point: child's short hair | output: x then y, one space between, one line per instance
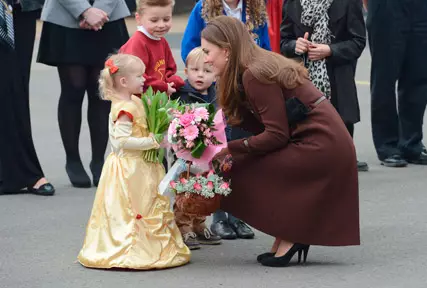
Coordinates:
116 65
195 55
162 3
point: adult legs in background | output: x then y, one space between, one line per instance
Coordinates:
361 166
412 87
389 30
97 116
73 80
20 164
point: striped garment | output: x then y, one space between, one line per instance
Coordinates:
7 36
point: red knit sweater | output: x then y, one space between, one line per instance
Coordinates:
158 59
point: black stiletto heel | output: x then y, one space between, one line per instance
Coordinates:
301 251
284 260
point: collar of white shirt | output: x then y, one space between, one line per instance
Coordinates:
236 13
143 30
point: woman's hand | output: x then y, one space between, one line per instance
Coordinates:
302 44
94 18
318 52
221 154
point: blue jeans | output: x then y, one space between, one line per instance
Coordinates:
232 134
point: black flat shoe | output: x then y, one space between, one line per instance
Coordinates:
44 190
263 256
284 260
362 166
420 160
242 230
224 230
394 161
96 169
77 174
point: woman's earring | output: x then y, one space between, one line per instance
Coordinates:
226 59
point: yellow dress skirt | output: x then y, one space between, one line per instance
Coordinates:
131 226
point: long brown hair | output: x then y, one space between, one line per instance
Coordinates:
268 67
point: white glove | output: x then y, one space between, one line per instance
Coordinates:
122 133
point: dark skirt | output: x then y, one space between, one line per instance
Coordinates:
68 46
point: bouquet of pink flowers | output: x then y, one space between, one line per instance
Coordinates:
195 128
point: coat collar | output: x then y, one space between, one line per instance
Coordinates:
337 10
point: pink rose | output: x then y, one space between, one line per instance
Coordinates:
183 181
224 185
197 186
210 173
210 185
186 119
172 184
201 113
191 133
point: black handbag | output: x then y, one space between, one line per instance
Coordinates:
296 111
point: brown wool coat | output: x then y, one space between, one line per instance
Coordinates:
298 184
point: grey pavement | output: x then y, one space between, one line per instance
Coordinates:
40 237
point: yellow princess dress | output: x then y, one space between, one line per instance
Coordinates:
131 225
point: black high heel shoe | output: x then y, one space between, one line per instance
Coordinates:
263 256
284 260
96 169
77 175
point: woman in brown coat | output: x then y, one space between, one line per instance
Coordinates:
296 179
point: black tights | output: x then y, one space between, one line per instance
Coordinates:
350 128
75 81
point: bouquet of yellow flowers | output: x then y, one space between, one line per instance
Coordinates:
157 107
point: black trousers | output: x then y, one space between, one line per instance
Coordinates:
20 166
397 31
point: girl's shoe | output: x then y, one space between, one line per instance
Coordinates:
190 240
284 260
206 237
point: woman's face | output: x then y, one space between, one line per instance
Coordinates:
215 56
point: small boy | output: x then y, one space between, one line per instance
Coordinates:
154 19
199 87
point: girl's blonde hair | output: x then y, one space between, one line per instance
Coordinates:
256 13
195 55
117 65
152 3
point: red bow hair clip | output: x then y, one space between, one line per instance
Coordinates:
110 64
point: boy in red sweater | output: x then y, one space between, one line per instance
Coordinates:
154 19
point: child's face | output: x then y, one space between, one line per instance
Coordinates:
200 75
156 20
133 81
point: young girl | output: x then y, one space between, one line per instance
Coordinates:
131 225
253 13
